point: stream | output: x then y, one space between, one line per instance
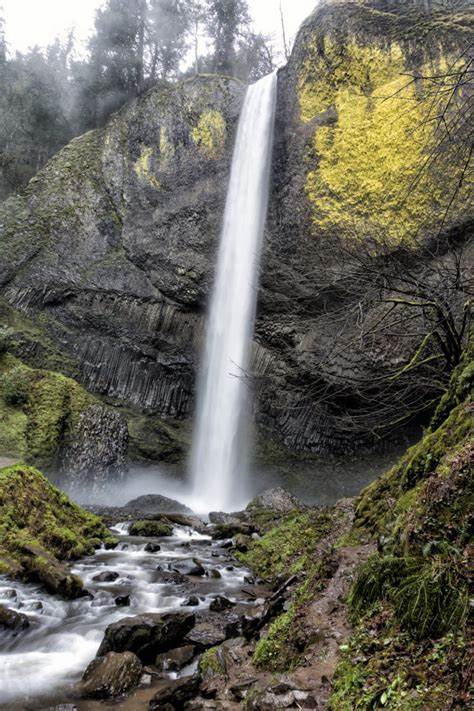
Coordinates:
39 666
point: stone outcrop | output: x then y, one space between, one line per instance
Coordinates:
111 249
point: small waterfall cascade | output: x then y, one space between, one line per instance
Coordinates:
219 457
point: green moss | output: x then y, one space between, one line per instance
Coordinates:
212 662
274 652
37 519
151 529
287 547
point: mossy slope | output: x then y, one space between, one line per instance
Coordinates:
40 526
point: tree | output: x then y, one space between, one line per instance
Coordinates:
167 27
227 22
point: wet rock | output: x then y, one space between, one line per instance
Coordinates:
214 573
170 577
9 594
152 547
55 576
212 628
221 603
111 675
122 601
175 659
108 576
156 504
192 601
35 606
189 567
13 621
147 635
151 529
278 500
174 694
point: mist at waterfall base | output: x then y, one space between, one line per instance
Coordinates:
220 451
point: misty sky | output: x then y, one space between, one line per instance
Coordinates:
30 22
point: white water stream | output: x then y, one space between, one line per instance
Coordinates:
40 665
220 448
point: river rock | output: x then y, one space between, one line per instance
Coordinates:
175 659
152 547
111 675
278 500
107 576
221 603
229 530
213 628
175 694
192 601
170 577
188 567
122 601
147 635
12 620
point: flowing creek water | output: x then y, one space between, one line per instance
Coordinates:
39 666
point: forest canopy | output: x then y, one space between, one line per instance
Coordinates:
49 95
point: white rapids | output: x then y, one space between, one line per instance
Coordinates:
220 448
40 665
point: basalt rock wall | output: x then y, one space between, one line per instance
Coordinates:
110 252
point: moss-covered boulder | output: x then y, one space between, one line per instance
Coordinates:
40 528
150 529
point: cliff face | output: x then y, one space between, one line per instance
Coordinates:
111 250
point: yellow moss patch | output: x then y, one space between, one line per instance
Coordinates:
368 174
166 147
143 167
210 134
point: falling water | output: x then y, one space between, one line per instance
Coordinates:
219 456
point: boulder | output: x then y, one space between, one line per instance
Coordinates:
277 500
156 504
122 601
192 601
147 635
189 566
175 659
107 576
220 603
152 547
151 529
170 577
175 694
12 620
111 675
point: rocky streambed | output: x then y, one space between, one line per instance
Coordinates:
154 604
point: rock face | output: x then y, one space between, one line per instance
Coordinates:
146 635
113 244
98 453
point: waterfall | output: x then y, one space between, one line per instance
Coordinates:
220 447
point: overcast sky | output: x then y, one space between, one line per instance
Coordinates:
30 22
